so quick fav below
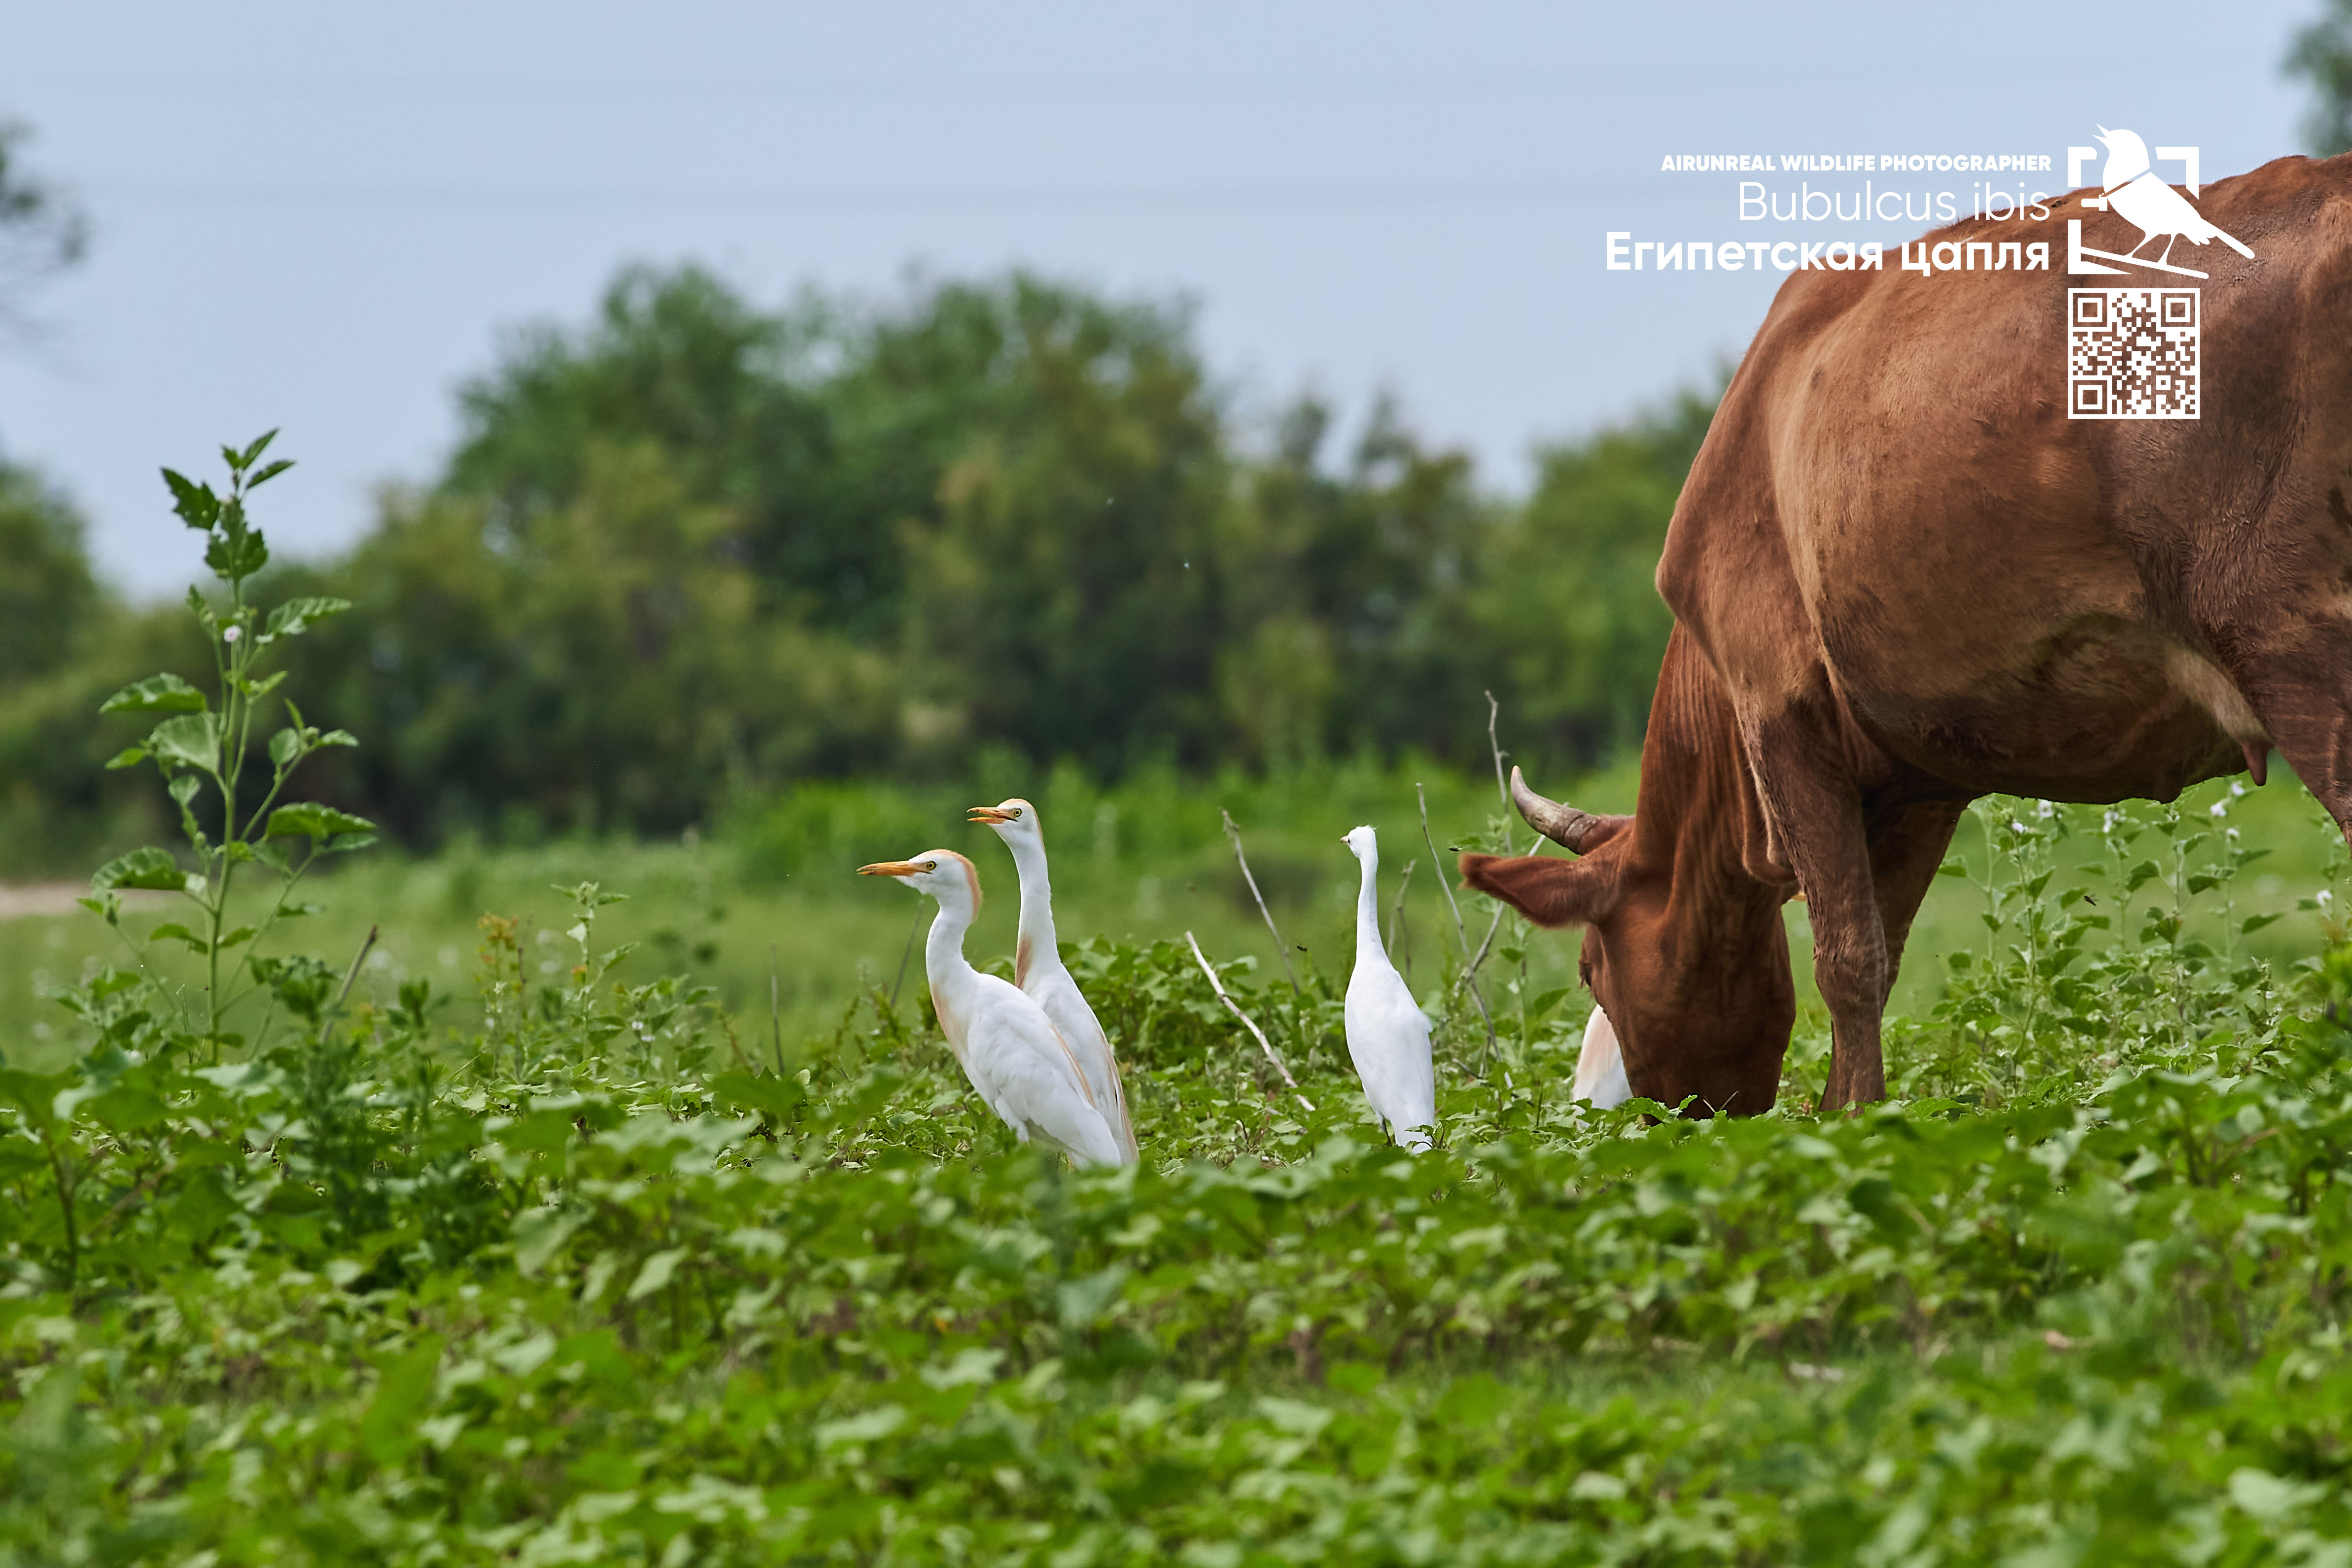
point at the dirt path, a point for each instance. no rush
(20, 899)
(40, 898)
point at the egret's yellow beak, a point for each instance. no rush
(988, 814)
(890, 869)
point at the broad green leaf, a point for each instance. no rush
(539, 1235)
(204, 1206)
(129, 756)
(269, 473)
(767, 1093)
(301, 983)
(165, 693)
(126, 1109)
(403, 1393)
(150, 868)
(296, 616)
(34, 1094)
(252, 453)
(190, 741)
(196, 504)
(239, 557)
(314, 822)
(285, 746)
(867, 1426)
(656, 1272)
(172, 931)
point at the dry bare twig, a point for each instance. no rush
(1235, 1008)
(1460, 932)
(1396, 916)
(1235, 833)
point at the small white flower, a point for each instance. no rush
(232, 633)
(2230, 834)
(2017, 827)
(2237, 787)
(2044, 810)
(2220, 808)
(2325, 899)
(2107, 821)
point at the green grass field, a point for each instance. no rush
(567, 1276)
(1144, 863)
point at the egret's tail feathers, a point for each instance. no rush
(1087, 1139)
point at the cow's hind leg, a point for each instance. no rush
(1906, 845)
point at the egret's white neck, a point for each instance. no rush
(1368, 911)
(953, 980)
(1036, 903)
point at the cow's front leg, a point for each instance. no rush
(1821, 833)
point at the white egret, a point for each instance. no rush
(1044, 979)
(1387, 1035)
(1601, 1065)
(1007, 1046)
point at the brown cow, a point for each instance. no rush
(1903, 578)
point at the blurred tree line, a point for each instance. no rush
(696, 550)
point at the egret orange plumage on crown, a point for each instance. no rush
(1008, 1047)
(1043, 978)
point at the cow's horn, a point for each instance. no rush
(1564, 824)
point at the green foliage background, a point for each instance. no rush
(695, 551)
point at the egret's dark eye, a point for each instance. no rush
(1014, 814)
(931, 865)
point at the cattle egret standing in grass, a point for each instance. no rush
(1044, 979)
(1007, 1046)
(1387, 1035)
(1600, 1066)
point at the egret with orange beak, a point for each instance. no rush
(1388, 1034)
(1043, 978)
(1008, 1047)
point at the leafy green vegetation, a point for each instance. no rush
(597, 1268)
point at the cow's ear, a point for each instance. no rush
(1548, 891)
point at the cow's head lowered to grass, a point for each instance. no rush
(1696, 986)
(1684, 945)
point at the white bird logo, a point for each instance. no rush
(2129, 187)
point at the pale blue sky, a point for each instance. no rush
(321, 217)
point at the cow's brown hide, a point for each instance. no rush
(1903, 578)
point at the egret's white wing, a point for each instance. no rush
(1052, 988)
(1387, 1040)
(1025, 1073)
(1601, 1065)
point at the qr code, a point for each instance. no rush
(2131, 354)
